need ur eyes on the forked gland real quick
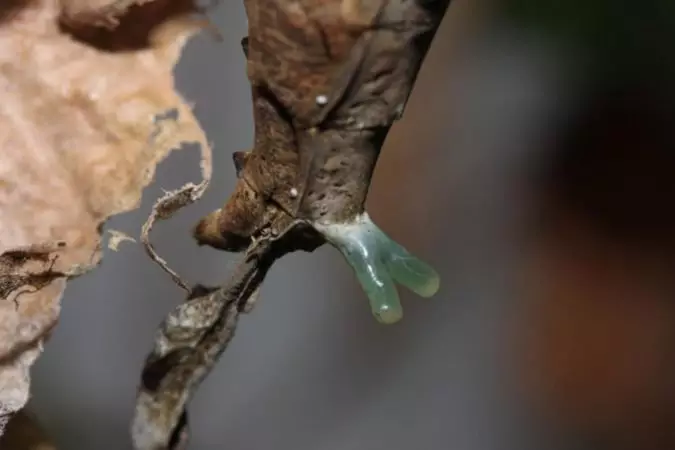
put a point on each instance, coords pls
(378, 262)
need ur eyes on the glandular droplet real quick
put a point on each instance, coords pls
(378, 261)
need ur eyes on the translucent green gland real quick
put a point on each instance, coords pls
(378, 262)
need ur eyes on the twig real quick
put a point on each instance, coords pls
(189, 342)
(163, 209)
(173, 201)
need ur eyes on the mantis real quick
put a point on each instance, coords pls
(328, 79)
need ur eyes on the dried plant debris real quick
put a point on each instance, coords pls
(190, 340)
(328, 79)
(193, 336)
(79, 142)
(116, 238)
(15, 279)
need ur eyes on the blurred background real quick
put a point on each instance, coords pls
(533, 168)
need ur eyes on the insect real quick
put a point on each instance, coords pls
(328, 79)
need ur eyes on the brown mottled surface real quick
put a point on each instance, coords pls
(328, 80)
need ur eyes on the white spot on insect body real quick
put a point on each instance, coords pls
(321, 100)
(293, 193)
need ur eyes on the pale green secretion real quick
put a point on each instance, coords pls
(378, 261)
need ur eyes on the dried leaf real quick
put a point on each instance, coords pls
(79, 141)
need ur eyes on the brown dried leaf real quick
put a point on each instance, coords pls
(79, 141)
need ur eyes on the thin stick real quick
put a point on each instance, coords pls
(173, 201)
(188, 344)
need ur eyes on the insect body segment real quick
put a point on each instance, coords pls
(328, 79)
(239, 159)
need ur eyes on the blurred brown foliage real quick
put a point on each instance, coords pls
(601, 296)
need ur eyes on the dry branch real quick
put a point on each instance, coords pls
(190, 340)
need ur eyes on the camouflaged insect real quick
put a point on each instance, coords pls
(328, 79)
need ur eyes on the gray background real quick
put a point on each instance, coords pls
(310, 368)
